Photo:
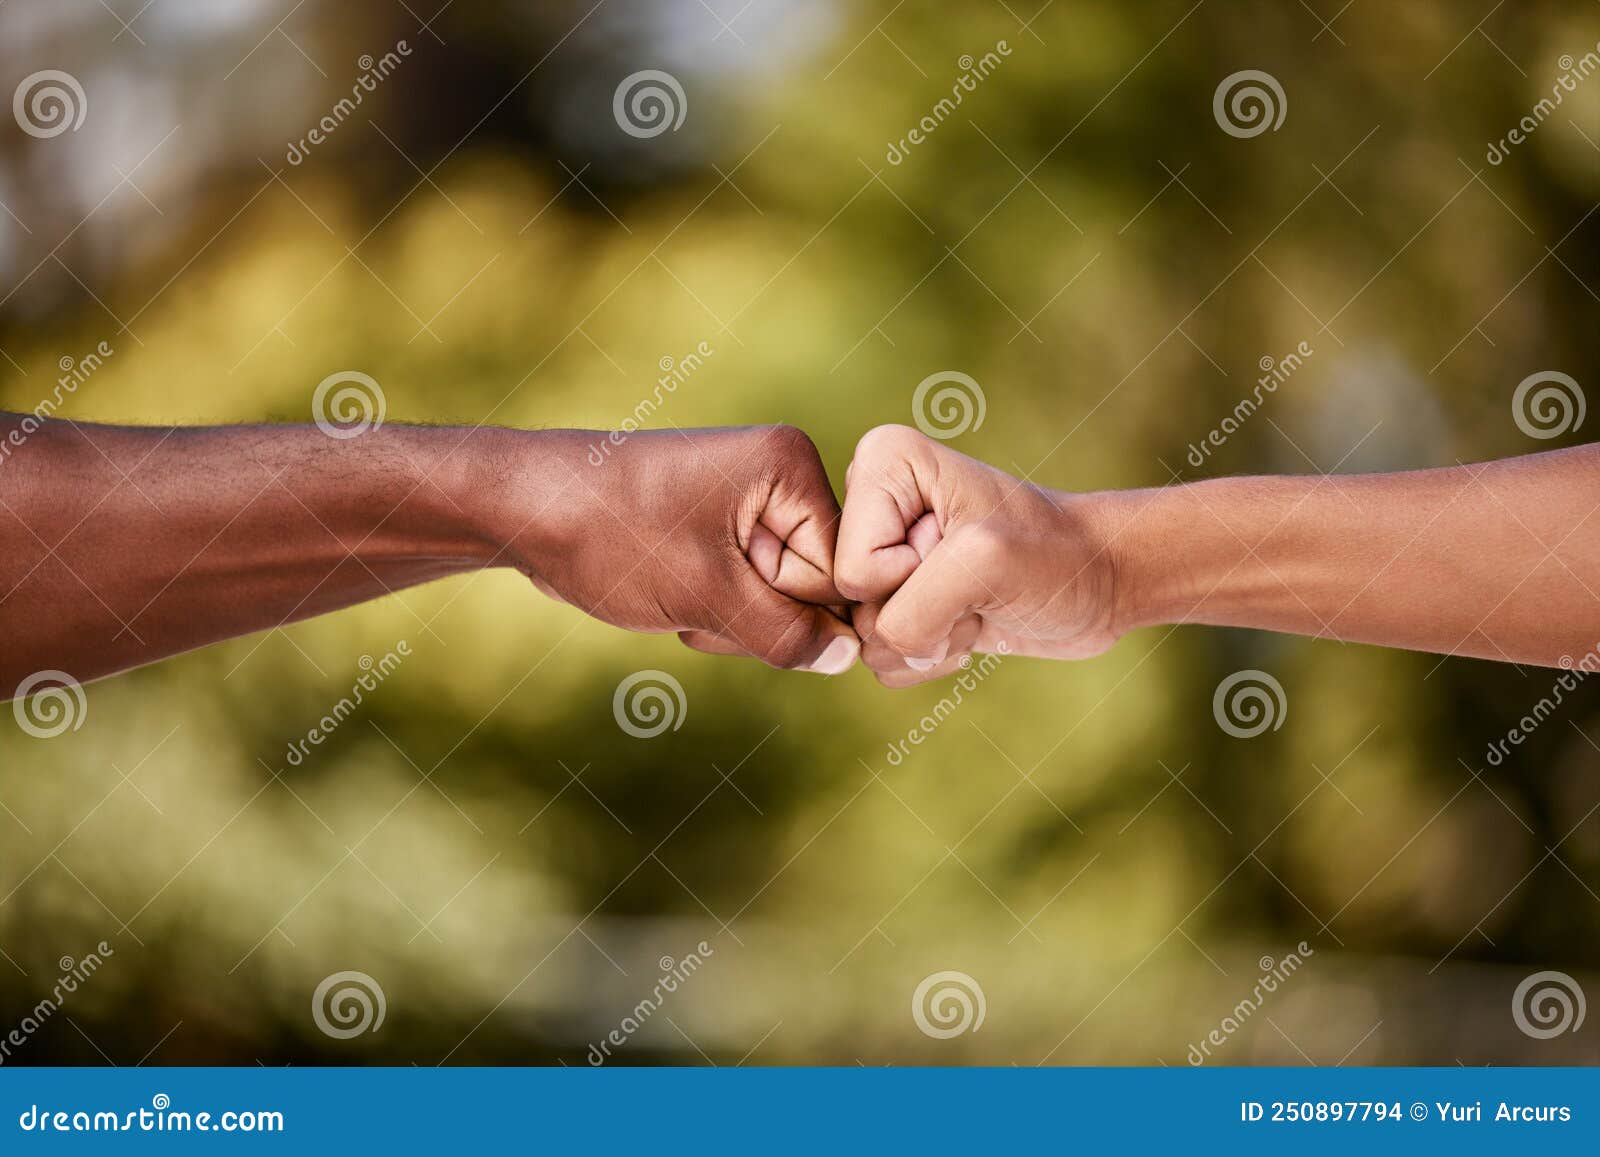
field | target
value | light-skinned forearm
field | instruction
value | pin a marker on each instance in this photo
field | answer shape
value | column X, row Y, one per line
column 124, row 545
column 1499, row 560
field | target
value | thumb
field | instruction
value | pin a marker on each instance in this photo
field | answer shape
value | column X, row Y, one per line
column 792, row 635
column 917, row 621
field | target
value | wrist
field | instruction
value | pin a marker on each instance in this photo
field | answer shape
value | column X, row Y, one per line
column 514, row 486
column 1148, row 545
column 1088, row 551
column 428, row 487
column 468, row 484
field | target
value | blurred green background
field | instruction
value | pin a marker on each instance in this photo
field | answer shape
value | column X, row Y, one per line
column 1081, row 236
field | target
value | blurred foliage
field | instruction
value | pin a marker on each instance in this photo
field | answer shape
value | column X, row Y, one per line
column 1079, row 236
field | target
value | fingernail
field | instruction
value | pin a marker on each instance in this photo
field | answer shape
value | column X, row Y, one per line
column 839, row 656
column 929, row 664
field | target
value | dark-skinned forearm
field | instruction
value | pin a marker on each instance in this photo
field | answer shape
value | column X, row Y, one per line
column 124, row 545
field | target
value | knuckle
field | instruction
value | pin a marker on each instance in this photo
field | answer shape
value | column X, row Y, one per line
column 879, row 657
column 884, row 664
column 896, row 638
column 982, row 545
column 852, row 575
column 790, row 443
column 887, row 441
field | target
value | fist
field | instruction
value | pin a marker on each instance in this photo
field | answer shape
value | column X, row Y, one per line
column 724, row 536
column 948, row 556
